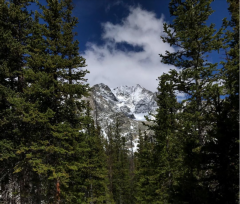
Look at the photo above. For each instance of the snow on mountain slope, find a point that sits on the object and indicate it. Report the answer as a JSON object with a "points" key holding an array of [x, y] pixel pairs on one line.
{"points": [[135, 100], [129, 104]]}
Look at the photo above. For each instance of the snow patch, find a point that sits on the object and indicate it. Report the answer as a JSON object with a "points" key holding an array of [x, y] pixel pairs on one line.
{"points": [[140, 116]]}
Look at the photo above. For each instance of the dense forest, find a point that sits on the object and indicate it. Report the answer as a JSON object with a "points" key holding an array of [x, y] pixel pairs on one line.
{"points": [[52, 150]]}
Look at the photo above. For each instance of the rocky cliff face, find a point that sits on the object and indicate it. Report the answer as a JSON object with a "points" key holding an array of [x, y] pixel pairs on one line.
{"points": [[129, 104], [135, 99]]}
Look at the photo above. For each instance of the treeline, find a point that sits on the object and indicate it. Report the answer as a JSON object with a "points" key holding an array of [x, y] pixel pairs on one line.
{"points": [[51, 151], [194, 156]]}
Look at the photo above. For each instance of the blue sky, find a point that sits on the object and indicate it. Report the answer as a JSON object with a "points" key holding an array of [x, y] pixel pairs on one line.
{"points": [[120, 39]]}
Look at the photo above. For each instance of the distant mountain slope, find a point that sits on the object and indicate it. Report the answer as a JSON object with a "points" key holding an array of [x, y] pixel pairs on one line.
{"points": [[135, 101], [129, 104]]}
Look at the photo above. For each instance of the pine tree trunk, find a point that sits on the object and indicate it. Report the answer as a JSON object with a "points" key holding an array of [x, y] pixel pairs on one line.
{"points": [[58, 192]]}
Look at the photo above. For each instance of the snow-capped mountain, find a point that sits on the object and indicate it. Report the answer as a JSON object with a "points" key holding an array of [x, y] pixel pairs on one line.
{"points": [[130, 104], [135, 101]]}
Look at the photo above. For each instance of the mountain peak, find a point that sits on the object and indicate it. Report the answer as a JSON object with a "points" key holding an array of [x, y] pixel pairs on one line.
{"points": [[131, 100], [130, 103]]}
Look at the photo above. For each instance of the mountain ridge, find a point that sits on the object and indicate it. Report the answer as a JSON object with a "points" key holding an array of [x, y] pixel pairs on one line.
{"points": [[127, 103]]}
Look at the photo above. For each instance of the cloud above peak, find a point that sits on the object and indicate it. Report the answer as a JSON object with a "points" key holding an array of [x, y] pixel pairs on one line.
{"points": [[130, 52]]}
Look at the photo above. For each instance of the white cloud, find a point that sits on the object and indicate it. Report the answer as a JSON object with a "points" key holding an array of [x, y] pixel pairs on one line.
{"points": [[114, 67]]}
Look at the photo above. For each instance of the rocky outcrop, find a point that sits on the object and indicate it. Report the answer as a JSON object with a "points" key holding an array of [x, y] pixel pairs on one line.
{"points": [[130, 104]]}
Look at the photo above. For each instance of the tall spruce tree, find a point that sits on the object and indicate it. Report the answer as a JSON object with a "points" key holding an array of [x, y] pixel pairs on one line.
{"points": [[118, 163], [221, 156], [96, 170], [58, 151], [120, 166], [110, 156], [159, 158], [145, 181], [44, 142], [132, 170], [230, 185], [194, 40], [167, 155], [15, 26]]}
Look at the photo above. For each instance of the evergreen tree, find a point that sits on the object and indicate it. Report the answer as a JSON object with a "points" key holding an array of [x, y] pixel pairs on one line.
{"points": [[163, 154], [97, 172], [118, 164], [132, 170], [15, 26], [145, 181], [223, 173], [58, 151], [167, 155], [121, 166], [194, 40], [43, 142], [110, 156]]}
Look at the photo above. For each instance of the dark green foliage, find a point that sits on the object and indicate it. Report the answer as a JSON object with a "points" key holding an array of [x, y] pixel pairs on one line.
{"points": [[197, 77], [224, 151], [231, 65], [145, 182], [132, 170], [50, 150], [205, 146], [15, 26], [120, 179], [194, 154], [90, 184], [159, 156], [55, 139], [168, 141]]}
